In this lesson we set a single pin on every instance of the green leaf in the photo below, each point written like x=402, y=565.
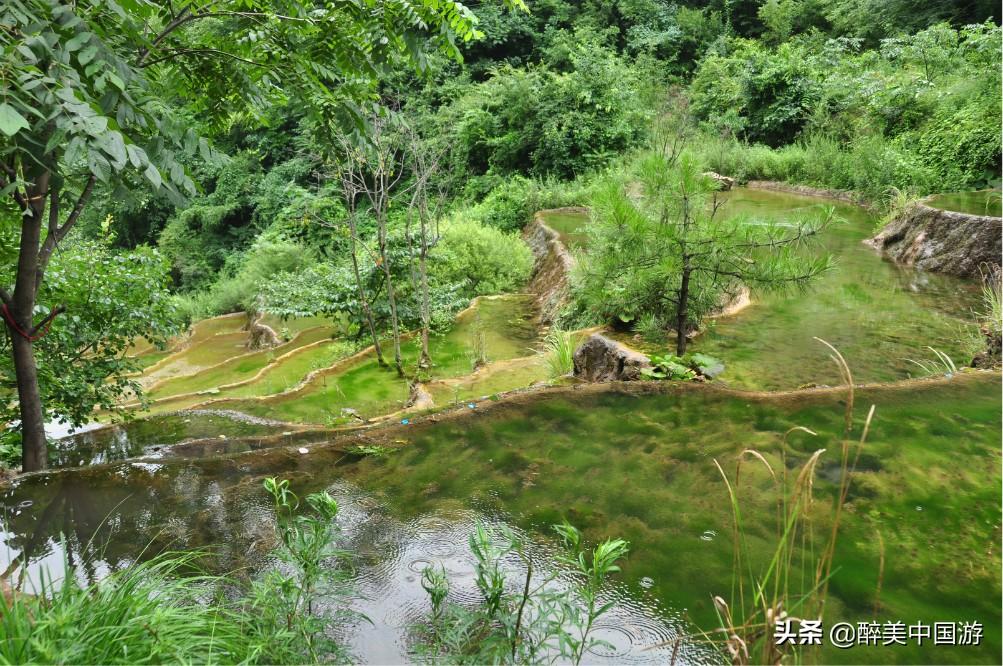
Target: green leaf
x=87, y=55
x=137, y=156
x=114, y=145
x=153, y=175
x=98, y=165
x=78, y=41
x=11, y=121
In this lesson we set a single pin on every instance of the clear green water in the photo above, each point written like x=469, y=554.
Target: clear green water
x=982, y=202
x=634, y=462
x=638, y=464
x=878, y=314
x=244, y=366
x=569, y=226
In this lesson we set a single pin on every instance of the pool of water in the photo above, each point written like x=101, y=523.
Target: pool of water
x=635, y=462
x=981, y=202
x=881, y=316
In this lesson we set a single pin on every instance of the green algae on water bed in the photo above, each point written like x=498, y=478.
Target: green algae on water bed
x=641, y=468
x=243, y=366
x=879, y=315
x=570, y=225
x=633, y=461
x=981, y=202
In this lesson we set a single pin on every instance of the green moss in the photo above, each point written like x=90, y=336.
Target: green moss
x=641, y=467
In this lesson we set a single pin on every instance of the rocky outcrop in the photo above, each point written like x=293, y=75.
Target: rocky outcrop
x=600, y=359
x=940, y=240
x=725, y=182
x=420, y=398
x=260, y=335
x=551, y=271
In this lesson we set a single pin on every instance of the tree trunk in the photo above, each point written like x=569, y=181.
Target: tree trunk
x=34, y=453
x=681, y=309
x=363, y=301
x=425, y=360
x=391, y=299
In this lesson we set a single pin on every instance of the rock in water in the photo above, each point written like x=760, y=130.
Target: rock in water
x=941, y=240
x=725, y=182
x=600, y=359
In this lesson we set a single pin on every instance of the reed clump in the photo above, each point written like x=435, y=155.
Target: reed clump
x=791, y=584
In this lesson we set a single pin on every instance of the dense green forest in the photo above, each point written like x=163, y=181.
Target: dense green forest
x=360, y=174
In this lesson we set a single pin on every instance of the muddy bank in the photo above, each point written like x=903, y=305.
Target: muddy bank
x=552, y=269
x=941, y=240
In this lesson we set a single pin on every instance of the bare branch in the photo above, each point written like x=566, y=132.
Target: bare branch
x=56, y=232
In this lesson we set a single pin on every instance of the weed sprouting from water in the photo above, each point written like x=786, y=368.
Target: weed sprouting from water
x=478, y=343
x=541, y=621
x=790, y=587
x=559, y=350
x=940, y=364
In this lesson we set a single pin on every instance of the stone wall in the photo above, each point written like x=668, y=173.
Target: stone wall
x=551, y=270
x=940, y=240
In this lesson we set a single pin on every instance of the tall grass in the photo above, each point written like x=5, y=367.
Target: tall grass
x=792, y=582
x=991, y=315
x=872, y=166
x=559, y=352
x=940, y=364
x=147, y=613
x=158, y=611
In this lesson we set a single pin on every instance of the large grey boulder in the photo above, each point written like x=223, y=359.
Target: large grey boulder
x=600, y=359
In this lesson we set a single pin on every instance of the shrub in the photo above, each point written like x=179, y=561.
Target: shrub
x=482, y=259
x=509, y=206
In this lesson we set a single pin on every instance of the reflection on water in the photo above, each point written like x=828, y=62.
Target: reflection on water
x=635, y=462
x=393, y=553
x=981, y=202
x=102, y=521
x=192, y=433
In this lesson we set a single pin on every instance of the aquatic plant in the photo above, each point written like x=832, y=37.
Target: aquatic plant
x=478, y=343
x=991, y=314
x=793, y=585
x=542, y=621
x=941, y=364
x=284, y=601
x=146, y=613
x=166, y=610
x=687, y=367
x=559, y=350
